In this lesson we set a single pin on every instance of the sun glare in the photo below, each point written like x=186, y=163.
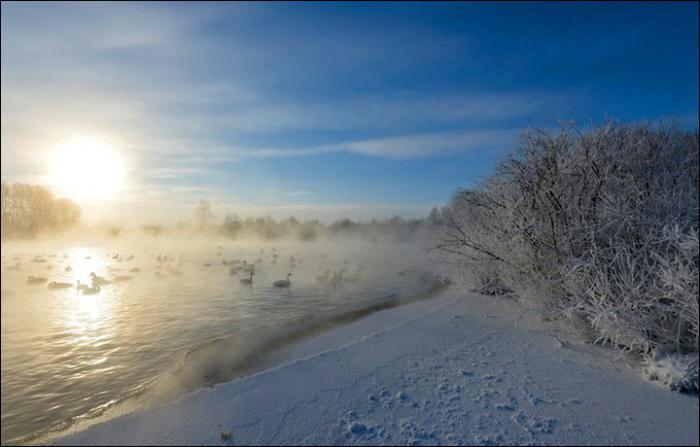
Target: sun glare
x=86, y=168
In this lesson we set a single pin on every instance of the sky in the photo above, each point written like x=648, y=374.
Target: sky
x=326, y=110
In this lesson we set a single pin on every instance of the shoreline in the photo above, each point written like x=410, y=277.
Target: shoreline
x=458, y=368
x=226, y=362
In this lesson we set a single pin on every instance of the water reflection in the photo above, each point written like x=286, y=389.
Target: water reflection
x=66, y=354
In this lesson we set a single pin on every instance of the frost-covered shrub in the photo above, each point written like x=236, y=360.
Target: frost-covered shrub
x=597, y=228
x=676, y=371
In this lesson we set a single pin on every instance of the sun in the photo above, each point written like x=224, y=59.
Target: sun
x=86, y=169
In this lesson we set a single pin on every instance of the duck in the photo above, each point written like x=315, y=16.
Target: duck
x=35, y=280
x=59, y=285
x=248, y=281
x=94, y=290
x=283, y=282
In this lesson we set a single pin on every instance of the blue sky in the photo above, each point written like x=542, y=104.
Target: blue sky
x=324, y=109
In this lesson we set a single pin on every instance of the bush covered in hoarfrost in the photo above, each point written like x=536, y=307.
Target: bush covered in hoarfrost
x=597, y=228
x=676, y=371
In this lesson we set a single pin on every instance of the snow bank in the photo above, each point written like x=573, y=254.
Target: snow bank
x=457, y=369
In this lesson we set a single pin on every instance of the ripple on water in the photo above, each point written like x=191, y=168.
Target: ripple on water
x=67, y=355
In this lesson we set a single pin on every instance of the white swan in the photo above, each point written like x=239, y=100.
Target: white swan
x=91, y=290
x=248, y=281
x=283, y=282
x=35, y=280
x=99, y=280
x=325, y=277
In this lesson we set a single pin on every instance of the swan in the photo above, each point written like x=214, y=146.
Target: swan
x=135, y=270
x=248, y=280
x=35, y=280
x=121, y=278
x=92, y=290
x=353, y=278
x=246, y=267
x=175, y=272
x=325, y=277
x=99, y=280
x=59, y=285
x=283, y=282
x=337, y=278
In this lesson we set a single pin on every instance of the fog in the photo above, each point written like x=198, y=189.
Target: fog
x=123, y=318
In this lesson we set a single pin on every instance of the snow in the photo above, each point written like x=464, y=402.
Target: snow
x=457, y=369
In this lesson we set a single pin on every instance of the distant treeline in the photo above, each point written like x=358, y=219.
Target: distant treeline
x=30, y=209
x=267, y=228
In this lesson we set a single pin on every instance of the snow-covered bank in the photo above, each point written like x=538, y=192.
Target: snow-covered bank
x=457, y=369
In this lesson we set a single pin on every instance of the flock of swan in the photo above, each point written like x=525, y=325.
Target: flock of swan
x=167, y=265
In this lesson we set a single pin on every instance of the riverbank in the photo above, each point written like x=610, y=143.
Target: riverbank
x=457, y=369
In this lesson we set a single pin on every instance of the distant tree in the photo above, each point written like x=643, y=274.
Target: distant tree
x=203, y=214
x=28, y=209
x=232, y=225
x=152, y=230
x=309, y=231
x=435, y=217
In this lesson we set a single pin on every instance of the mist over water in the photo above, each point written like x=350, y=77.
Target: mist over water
x=176, y=324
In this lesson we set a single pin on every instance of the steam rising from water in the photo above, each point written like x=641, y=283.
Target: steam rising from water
x=176, y=324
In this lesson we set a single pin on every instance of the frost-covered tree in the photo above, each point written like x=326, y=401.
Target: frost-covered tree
x=597, y=228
